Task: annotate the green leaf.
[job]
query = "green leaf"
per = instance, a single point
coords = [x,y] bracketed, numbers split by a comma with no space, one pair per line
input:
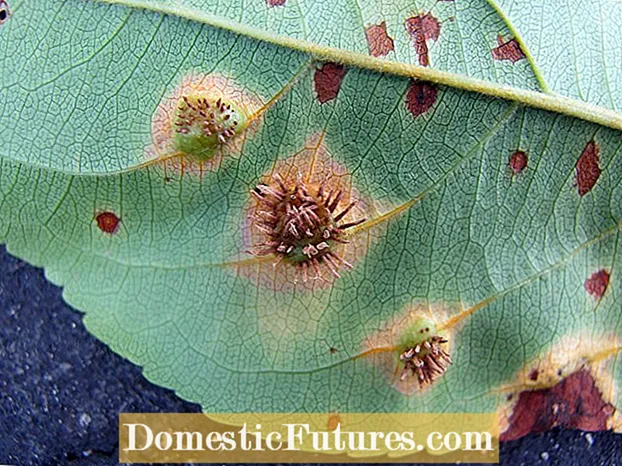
[508,262]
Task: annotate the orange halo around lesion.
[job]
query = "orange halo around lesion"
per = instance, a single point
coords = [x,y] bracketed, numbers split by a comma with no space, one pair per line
[162,151]
[314,165]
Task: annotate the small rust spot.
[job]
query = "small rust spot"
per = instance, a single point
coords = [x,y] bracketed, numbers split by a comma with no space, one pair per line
[422,28]
[272,3]
[333,350]
[507,50]
[334,421]
[420,97]
[378,41]
[518,161]
[533,375]
[597,284]
[588,170]
[107,222]
[5,13]
[575,402]
[327,81]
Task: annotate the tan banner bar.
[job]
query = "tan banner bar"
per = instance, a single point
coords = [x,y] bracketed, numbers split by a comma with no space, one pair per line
[308,438]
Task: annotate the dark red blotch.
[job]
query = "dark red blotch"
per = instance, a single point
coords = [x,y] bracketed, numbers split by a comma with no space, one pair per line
[420,97]
[597,284]
[507,50]
[588,170]
[107,222]
[378,41]
[422,28]
[518,161]
[327,81]
[574,403]
[275,2]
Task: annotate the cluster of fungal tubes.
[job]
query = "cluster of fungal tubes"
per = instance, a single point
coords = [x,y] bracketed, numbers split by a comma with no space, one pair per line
[201,126]
[302,216]
[412,350]
[203,120]
[302,225]
[427,360]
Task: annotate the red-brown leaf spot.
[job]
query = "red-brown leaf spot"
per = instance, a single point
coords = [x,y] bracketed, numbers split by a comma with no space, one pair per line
[378,41]
[422,28]
[107,222]
[588,169]
[575,403]
[507,50]
[327,80]
[420,97]
[518,161]
[597,284]
[272,3]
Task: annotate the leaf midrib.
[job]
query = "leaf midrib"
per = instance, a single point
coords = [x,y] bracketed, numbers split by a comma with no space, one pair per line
[539,100]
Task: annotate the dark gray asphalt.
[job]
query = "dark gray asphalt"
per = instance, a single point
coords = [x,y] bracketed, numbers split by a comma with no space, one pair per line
[61,389]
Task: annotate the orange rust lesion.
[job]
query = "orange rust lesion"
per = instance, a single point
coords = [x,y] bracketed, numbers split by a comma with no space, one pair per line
[213,105]
[334,421]
[570,385]
[410,350]
[298,220]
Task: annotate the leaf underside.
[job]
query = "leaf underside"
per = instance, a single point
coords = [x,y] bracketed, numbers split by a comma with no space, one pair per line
[503,253]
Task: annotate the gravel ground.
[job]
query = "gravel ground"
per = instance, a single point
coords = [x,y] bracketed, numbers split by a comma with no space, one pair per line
[61,389]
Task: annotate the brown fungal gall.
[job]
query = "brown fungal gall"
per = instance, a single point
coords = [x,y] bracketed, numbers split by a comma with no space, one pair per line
[302,225]
[202,126]
[426,361]
[202,120]
[5,13]
[300,222]
[411,350]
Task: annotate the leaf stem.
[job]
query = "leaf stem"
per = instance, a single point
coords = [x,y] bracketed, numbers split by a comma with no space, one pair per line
[539,100]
